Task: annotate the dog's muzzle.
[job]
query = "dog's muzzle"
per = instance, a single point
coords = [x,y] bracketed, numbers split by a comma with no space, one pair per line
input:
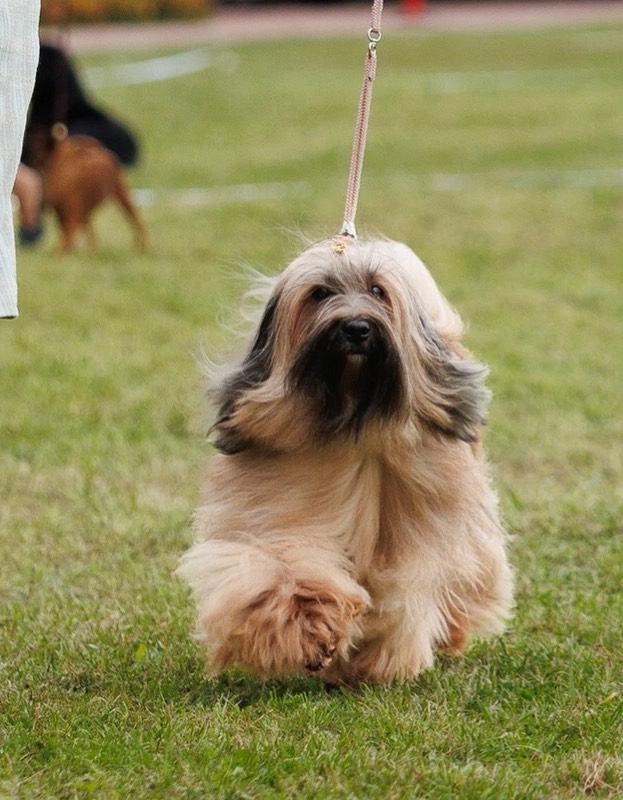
[356,335]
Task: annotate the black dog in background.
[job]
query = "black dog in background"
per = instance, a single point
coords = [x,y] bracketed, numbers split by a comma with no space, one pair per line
[58,97]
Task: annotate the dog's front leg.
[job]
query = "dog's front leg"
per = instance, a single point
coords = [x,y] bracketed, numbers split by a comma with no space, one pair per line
[397,645]
[297,626]
[278,610]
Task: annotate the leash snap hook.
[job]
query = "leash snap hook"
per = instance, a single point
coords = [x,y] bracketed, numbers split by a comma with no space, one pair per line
[374,37]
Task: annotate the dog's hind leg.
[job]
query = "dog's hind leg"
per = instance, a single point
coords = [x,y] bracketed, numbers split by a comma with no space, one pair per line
[122,195]
[90,234]
[69,230]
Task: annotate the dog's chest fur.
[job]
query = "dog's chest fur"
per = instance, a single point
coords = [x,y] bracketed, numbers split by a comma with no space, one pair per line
[356,500]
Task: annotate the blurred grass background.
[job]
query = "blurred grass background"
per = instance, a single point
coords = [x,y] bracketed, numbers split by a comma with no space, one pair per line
[497,157]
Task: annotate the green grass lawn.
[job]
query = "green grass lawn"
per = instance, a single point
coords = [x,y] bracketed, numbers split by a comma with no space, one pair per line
[498,158]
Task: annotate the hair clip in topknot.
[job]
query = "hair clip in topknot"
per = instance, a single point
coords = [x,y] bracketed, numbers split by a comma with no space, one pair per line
[338,245]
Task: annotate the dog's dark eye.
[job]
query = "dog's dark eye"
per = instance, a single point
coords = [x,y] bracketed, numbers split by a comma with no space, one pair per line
[321,293]
[377,291]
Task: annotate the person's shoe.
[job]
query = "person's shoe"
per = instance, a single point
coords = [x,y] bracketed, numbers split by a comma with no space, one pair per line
[29,236]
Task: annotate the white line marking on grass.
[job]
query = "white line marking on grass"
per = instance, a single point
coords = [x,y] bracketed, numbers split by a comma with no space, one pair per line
[437,181]
[500,80]
[570,179]
[221,195]
[520,179]
[162,69]
[191,61]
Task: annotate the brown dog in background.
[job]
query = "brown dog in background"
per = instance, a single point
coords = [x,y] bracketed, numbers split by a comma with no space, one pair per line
[79,174]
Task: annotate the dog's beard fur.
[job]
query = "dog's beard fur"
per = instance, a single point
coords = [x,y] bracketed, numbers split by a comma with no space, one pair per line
[348,527]
[348,383]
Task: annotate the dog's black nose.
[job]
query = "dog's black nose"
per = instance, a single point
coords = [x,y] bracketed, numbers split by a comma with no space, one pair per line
[356,331]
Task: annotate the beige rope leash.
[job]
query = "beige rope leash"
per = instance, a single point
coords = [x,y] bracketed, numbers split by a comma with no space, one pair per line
[361,127]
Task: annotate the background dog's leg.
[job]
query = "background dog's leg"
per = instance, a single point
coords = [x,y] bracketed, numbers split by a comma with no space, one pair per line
[69,229]
[123,197]
[90,234]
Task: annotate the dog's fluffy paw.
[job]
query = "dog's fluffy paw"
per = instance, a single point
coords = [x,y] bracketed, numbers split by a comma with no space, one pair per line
[289,632]
[327,625]
[324,657]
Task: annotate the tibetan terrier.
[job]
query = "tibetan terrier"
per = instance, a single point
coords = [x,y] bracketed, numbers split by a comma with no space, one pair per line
[348,527]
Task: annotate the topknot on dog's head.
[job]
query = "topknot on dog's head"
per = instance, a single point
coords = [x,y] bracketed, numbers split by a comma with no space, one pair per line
[354,332]
[343,255]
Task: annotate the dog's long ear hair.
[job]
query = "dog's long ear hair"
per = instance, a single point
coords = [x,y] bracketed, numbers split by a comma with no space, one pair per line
[450,391]
[253,371]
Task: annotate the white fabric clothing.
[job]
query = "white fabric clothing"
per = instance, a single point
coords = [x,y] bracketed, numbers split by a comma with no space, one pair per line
[19,55]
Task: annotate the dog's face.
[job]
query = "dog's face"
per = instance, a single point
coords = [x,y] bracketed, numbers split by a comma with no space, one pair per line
[359,332]
[340,342]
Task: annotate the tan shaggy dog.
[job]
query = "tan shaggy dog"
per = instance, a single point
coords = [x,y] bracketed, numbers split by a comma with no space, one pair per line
[348,527]
[79,174]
